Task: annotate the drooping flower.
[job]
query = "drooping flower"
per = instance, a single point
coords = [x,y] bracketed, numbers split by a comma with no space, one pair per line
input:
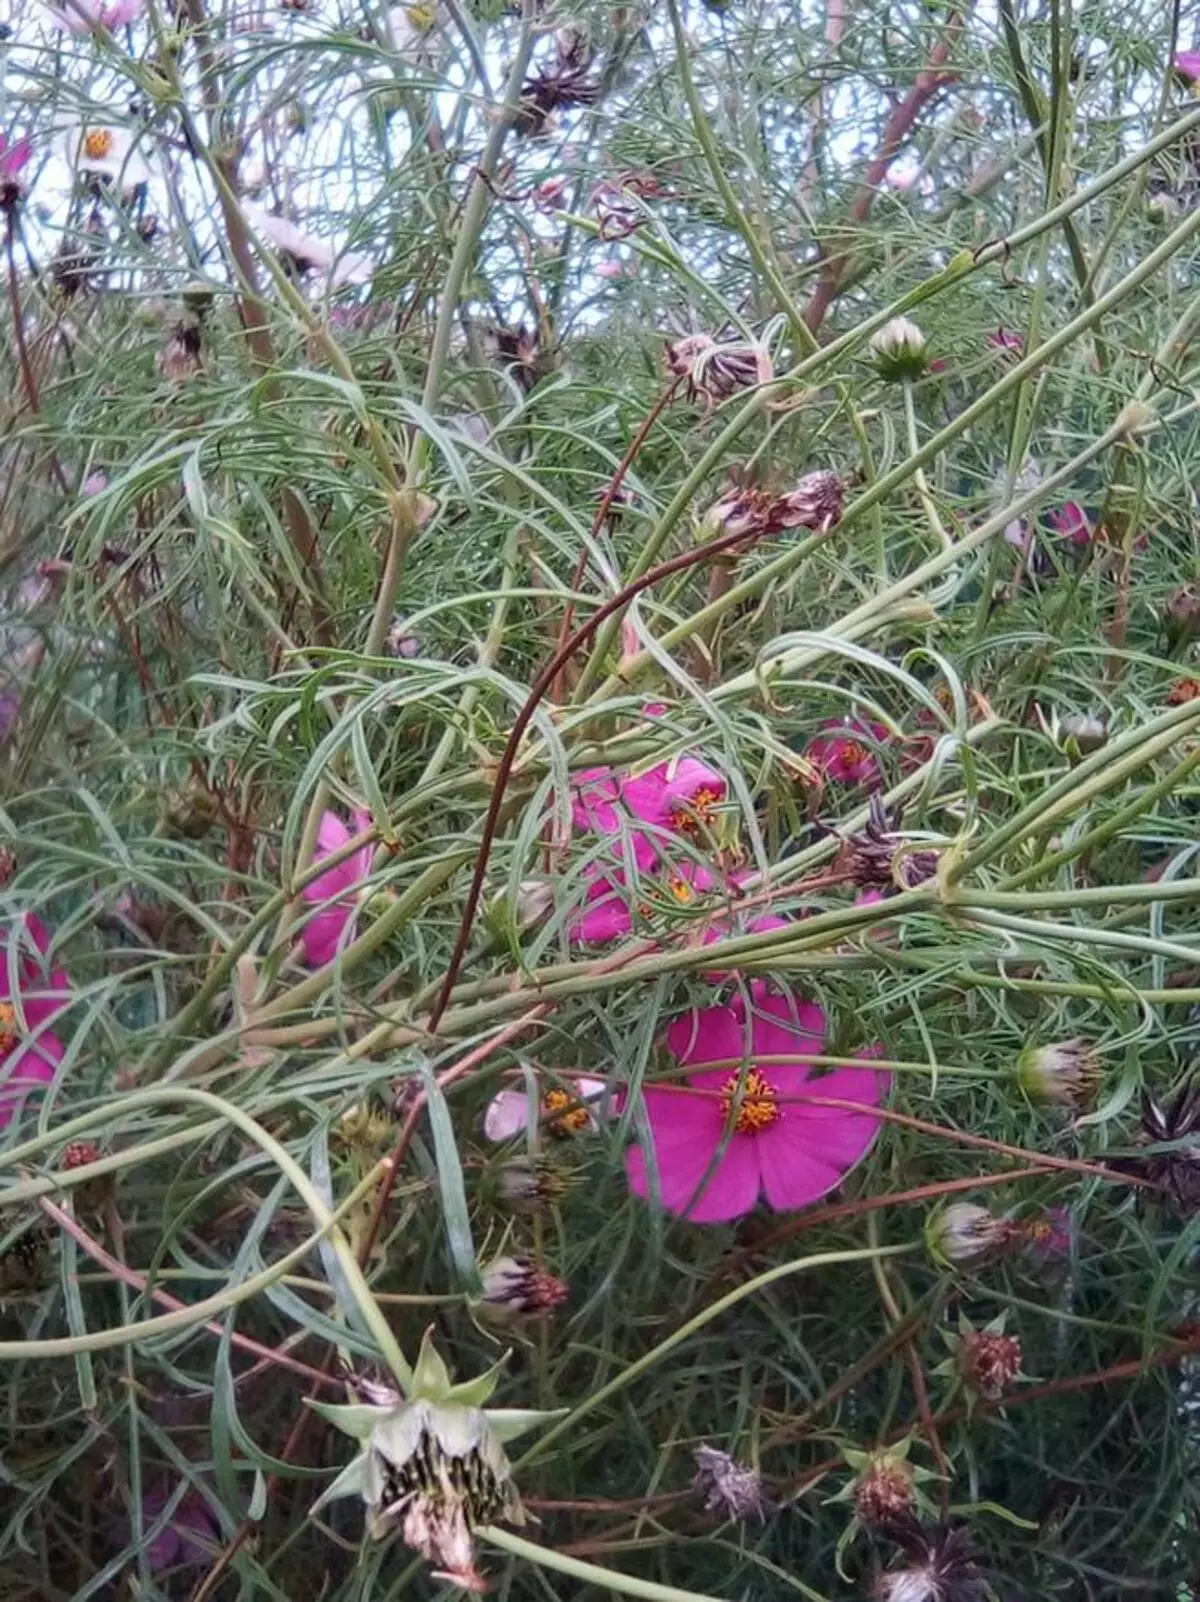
[1067,1073]
[433,1464]
[12,159]
[558,87]
[109,153]
[338,886]
[900,350]
[814,502]
[189,1537]
[305,251]
[1072,522]
[1174,1124]
[726,1487]
[565,1109]
[1187,65]
[30,1051]
[82,16]
[843,755]
[749,1130]
[401,641]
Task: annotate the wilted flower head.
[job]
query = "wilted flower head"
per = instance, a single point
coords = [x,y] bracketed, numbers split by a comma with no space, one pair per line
[899,350]
[815,502]
[179,358]
[1172,1123]
[843,753]
[1067,1073]
[714,370]
[989,1361]
[432,1466]
[727,1488]
[517,1287]
[1072,522]
[1006,342]
[961,1235]
[558,87]
[880,858]
[938,1566]
[401,641]
[1181,615]
[305,252]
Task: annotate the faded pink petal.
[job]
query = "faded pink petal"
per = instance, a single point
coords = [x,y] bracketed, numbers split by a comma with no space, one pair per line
[97,14]
[13,157]
[1004,339]
[846,755]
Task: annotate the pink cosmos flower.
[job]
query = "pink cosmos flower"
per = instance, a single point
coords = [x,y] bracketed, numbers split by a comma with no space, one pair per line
[94,483]
[191,1535]
[1187,65]
[83,15]
[681,795]
[323,933]
[30,1052]
[1004,340]
[843,755]
[1072,522]
[792,1152]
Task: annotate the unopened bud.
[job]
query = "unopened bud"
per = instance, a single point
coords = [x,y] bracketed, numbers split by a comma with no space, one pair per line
[1181,615]
[515,1287]
[531,1187]
[899,349]
[989,1362]
[885,1495]
[1082,733]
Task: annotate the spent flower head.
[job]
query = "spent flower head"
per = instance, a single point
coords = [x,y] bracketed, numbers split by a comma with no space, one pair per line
[1067,1073]
[963,1235]
[726,1487]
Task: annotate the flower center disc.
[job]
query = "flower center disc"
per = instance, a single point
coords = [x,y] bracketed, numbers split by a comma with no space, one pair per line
[699,810]
[564,1113]
[98,143]
[758,1109]
[8,1026]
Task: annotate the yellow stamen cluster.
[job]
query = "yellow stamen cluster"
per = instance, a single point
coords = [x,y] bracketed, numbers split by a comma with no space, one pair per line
[698,811]
[98,143]
[8,1026]
[564,1113]
[853,753]
[758,1108]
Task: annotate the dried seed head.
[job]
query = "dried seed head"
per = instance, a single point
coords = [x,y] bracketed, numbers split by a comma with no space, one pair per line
[727,1488]
[714,370]
[79,1153]
[939,1567]
[989,1362]
[531,1187]
[179,358]
[885,1494]
[815,502]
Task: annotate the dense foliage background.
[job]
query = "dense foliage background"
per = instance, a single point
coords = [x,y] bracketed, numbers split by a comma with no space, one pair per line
[292,521]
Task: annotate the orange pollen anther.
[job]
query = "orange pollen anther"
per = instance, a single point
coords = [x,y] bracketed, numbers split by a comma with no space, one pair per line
[565,1114]
[758,1108]
[682,891]
[853,753]
[699,810]
[8,1026]
[98,143]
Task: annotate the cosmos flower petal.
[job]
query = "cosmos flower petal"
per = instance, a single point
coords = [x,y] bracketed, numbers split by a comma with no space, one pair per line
[709,1034]
[22,1071]
[686,1132]
[507,1115]
[322,934]
[793,1177]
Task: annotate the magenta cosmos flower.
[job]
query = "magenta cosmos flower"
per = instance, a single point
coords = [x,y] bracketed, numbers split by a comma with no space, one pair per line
[30,1051]
[842,754]
[789,1151]
[681,794]
[1187,65]
[338,888]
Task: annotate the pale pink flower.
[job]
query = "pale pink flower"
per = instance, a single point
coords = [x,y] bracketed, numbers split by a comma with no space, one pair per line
[30,1051]
[339,887]
[716,1154]
[567,1108]
[844,755]
[81,16]
[306,250]
[94,483]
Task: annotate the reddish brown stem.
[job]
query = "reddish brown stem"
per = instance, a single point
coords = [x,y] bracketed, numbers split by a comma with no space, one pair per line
[899,126]
[536,694]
